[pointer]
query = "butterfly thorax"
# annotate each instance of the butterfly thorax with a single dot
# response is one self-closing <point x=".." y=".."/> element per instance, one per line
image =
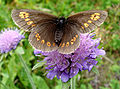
<point x="59" y="31"/>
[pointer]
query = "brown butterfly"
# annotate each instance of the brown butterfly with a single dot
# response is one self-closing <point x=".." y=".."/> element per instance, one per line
<point x="49" y="33"/>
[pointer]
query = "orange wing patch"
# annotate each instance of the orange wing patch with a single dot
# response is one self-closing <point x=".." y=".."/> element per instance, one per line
<point x="63" y="45"/>
<point x="86" y="25"/>
<point x="76" y="36"/>
<point x="37" y="36"/>
<point x="89" y="21"/>
<point x="53" y="44"/>
<point x="27" y="19"/>
<point x="42" y="41"/>
<point x="25" y="16"/>
<point x="48" y="44"/>
<point x="72" y="41"/>
<point x="95" y="16"/>
<point x="30" y="22"/>
<point x="67" y="44"/>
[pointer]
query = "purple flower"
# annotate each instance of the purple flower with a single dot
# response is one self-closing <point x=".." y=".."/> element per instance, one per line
<point x="9" y="39"/>
<point x="66" y="66"/>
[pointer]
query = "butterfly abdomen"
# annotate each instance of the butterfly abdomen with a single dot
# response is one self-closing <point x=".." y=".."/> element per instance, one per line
<point x="59" y="31"/>
<point x="58" y="36"/>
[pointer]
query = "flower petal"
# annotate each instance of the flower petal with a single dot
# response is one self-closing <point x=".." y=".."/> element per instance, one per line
<point x="64" y="77"/>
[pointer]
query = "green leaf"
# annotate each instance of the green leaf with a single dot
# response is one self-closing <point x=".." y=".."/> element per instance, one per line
<point x="95" y="70"/>
<point x="40" y="82"/>
<point x="27" y="72"/>
<point x="83" y="86"/>
<point x="115" y="84"/>
<point x="38" y="65"/>
<point x="65" y="85"/>
<point x="19" y="50"/>
<point x="59" y="84"/>
<point x="90" y="86"/>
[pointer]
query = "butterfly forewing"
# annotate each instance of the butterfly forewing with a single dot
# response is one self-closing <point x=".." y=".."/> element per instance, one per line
<point x="70" y="41"/>
<point x="30" y="19"/>
<point x="87" y="21"/>
<point x="43" y="38"/>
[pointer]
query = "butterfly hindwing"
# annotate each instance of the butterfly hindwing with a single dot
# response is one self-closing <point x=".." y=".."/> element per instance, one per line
<point x="30" y="19"/>
<point x="87" y="21"/>
<point x="70" y="41"/>
<point x="43" y="38"/>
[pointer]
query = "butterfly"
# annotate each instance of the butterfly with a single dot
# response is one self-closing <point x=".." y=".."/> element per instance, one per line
<point x="50" y="33"/>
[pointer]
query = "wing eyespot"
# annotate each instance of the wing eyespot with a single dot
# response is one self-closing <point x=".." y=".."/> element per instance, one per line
<point x="67" y="44"/>
<point x="89" y="21"/>
<point x="42" y="41"/>
<point x="63" y="45"/>
<point x="30" y="22"/>
<point x="86" y="25"/>
<point x="76" y="36"/>
<point x="53" y="44"/>
<point x="95" y="16"/>
<point x="24" y="15"/>
<point x="72" y="41"/>
<point x="37" y="36"/>
<point x="27" y="19"/>
<point x="48" y="44"/>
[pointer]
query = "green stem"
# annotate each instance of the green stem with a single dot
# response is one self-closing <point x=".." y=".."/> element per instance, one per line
<point x="66" y="85"/>
<point x="72" y="82"/>
<point x="4" y="85"/>
<point x="1" y="58"/>
<point x="27" y="72"/>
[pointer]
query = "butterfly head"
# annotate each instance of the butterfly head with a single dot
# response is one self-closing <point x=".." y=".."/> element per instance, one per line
<point x="61" y="21"/>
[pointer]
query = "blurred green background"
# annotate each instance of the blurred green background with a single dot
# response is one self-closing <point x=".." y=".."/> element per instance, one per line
<point x="106" y="75"/>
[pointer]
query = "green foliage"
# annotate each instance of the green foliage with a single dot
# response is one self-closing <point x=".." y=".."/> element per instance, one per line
<point x="115" y="42"/>
<point x="40" y="64"/>
<point x="115" y="84"/>
<point x="13" y="73"/>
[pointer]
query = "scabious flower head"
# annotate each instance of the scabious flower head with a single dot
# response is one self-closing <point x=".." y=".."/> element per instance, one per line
<point x="9" y="39"/>
<point x="66" y="66"/>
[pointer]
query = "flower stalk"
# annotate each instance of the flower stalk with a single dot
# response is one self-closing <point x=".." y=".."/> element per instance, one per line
<point x="65" y="85"/>
<point x="27" y="72"/>
<point x="73" y="82"/>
